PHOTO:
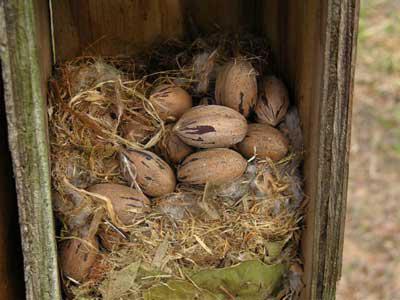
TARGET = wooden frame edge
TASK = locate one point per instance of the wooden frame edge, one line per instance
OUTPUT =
(26, 116)
(334, 141)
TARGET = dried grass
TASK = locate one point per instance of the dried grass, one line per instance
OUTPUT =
(220, 230)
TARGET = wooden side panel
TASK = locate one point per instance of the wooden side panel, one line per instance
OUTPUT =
(102, 27)
(229, 15)
(299, 57)
(24, 26)
(334, 143)
(314, 47)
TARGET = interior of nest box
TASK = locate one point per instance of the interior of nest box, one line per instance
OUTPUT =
(70, 28)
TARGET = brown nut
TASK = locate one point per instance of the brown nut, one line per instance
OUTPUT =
(265, 140)
(172, 148)
(77, 257)
(110, 237)
(236, 86)
(126, 202)
(170, 101)
(273, 102)
(154, 176)
(211, 126)
(212, 165)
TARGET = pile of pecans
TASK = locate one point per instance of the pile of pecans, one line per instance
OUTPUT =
(231, 146)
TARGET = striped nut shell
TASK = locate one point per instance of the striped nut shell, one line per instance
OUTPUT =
(273, 102)
(154, 176)
(212, 165)
(170, 101)
(77, 257)
(236, 86)
(172, 148)
(211, 126)
(126, 202)
(264, 141)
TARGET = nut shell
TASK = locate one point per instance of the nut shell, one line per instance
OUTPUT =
(236, 86)
(154, 176)
(77, 257)
(211, 126)
(109, 238)
(273, 102)
(212, 165)
(266, 140)
(172, 148)
(127, 202)
(170, 101)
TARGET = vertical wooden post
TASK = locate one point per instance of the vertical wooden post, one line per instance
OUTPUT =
(334, 146)
(26, 114)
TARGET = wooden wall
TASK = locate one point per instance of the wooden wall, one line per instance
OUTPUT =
(85, 27)
(297, 31)
(314, 46)
(25, 54)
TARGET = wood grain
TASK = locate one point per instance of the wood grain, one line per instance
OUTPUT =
(24, 70)
(88, 27)
(316, 60)
(339, 56)
(102, 27)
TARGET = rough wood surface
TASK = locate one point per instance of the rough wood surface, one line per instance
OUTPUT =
(25, 107)
(335, 119)
(84, 27)
(300, 61)
(316, 60)
(87, 27)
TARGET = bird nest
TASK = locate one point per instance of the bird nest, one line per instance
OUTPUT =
(236, 240)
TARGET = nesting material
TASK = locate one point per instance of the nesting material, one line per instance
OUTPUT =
(145, 211)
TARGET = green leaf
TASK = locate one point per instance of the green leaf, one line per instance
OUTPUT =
(247, 278)
(178, 290)
(275, 248)
(250, 280)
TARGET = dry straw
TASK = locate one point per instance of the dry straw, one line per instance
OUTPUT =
(199, 227)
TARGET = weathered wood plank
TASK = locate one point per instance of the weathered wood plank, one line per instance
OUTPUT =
(26, 114)
(90, 27)
(103, 27)
(313, 43)
(334, 140)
